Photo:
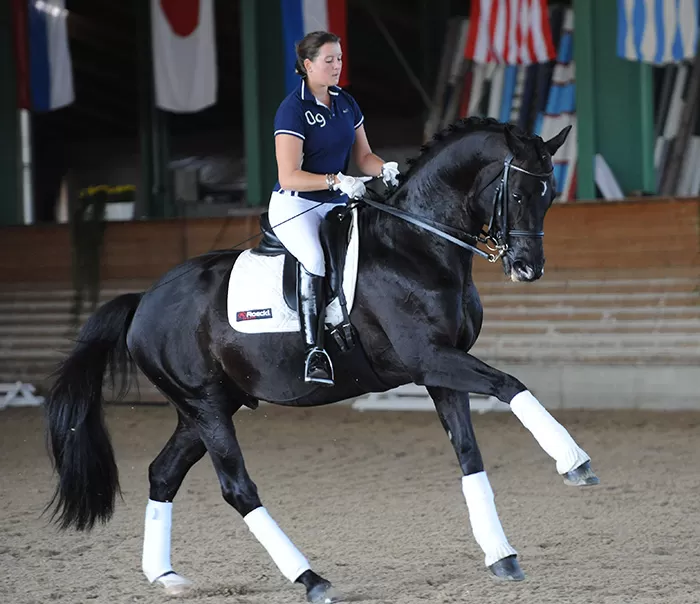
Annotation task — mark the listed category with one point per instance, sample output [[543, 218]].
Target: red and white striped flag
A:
[[510, 32]]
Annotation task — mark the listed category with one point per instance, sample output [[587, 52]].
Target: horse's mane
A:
[[446, 136]]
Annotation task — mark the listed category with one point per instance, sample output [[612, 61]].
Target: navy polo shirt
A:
[[328, 134]]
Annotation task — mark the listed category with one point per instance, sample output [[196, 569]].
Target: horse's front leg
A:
[[457, 370], [453, 410]]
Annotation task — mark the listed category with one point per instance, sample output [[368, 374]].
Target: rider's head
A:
[[319, 58]]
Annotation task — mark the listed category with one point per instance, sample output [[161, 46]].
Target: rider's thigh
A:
[[296, 223]]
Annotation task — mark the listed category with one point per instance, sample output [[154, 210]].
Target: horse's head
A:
[[480, 171], [512, 195]]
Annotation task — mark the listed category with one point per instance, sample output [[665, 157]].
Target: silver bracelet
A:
[[330, 181]]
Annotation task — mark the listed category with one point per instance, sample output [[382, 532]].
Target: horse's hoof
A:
[[507, 569], [323, 593], [174, 585], [582, 476]]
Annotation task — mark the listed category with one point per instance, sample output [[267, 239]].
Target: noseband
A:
[[495, 238]]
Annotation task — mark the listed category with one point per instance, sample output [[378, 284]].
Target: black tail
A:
[[77, 436]]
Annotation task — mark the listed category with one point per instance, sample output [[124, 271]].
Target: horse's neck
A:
[[403, 244], [439, 189], [436, 192]]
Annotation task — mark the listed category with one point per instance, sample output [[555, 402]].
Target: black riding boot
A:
[[318, 368]]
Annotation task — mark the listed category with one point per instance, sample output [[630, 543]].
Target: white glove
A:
[[390, 172], [353, 187]]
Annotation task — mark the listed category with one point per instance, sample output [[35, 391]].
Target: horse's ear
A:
[[515, 144], [553, 144]]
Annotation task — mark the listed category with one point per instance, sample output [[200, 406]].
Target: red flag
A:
[[511, 32]]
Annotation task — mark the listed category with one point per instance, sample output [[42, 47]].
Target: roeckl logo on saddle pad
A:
[[249, 315]]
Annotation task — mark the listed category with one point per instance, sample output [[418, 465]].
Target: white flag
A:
[[184, 54]]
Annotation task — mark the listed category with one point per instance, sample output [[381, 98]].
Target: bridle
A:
[[495, 238]]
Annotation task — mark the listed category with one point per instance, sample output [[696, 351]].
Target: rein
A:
[[495, 239]]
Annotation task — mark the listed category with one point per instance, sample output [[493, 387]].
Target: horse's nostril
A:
[[519, 266]]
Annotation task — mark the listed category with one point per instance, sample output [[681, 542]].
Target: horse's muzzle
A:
[[519, 270]]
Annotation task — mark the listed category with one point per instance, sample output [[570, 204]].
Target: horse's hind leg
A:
[[219, 436], [165, 475], [453, 409]]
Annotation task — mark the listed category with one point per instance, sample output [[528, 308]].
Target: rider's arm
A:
[[288, 150], [368, 162]]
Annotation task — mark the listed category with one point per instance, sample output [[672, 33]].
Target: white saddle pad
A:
[[256, 299]]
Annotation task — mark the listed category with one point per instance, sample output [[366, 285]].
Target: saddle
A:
[[334, 235], [334, 240]]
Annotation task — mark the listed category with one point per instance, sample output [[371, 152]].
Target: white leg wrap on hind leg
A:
[[156, 540], [283, 552], [548, 432], [483, 517]]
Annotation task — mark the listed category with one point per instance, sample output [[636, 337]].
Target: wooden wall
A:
[[643, 234], [132, 250]]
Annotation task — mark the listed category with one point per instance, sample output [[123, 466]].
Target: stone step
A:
[[43, 318], [53, 303], [50, 330], [57, 338], [61, 319], [604, 326], [61, 294], [564, 313], [576, 299], [588, 288], [593, 341]]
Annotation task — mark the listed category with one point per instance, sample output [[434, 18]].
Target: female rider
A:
[[317, 128]]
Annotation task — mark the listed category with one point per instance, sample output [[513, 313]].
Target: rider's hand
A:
[[353, 187], [390, 173]]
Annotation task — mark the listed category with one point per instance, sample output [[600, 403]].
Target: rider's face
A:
[[325, 69]]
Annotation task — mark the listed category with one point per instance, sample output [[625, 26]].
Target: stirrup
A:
[[318, 380]]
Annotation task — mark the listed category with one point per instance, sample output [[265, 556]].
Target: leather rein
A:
[[494, 238]]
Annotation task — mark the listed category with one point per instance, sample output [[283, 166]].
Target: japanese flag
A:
[[184, 54]]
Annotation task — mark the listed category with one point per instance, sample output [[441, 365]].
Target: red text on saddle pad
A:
[[183, 15]]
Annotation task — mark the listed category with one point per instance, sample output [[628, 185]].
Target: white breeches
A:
[[300, 235]]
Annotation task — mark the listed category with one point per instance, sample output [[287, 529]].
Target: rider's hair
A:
[[310, 46]]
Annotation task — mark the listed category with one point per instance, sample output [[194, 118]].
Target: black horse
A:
[[416, 314]]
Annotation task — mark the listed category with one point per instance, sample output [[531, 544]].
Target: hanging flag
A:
[[44, 69], [657, 31], [511, 32], [561, 112], [184, 54], [300, 17]]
